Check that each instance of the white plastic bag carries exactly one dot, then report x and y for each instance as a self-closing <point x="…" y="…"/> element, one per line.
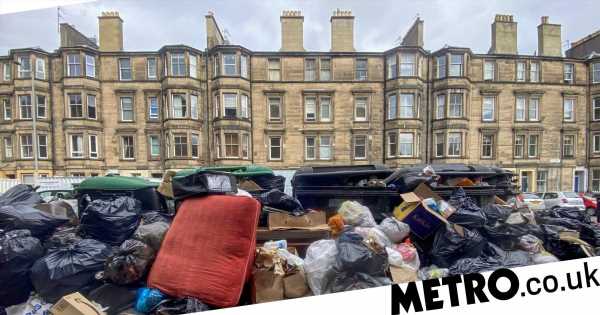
<point x="374" y="234"/>
<point x="356" y="214"/>
<point x="409" y="253"/>
<point x="394" y="257"/>
<point x="34" y="306"/>
<point x="544" y="257"/>
<point x="394" y="229"/>
<point x="320" y="258"/>
<point x="290" y="258"/>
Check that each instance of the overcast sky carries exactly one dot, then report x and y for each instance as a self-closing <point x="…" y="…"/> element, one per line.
<point x="150" y="24"/>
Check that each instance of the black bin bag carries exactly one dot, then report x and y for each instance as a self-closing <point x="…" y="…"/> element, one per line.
<point x="130" y="263"/>
<point x="495" y="213"/>
<point x="24" y="217"/>
<point x="591" y="234"/>
<point x="202" y="183"/>
<point x="69" y="270"/>
<point x="506" y="236"/>
<point x="18" y="251"/>
<point x="20" y="194"/>
<point x="279" y="200"/>
<point x="111" y="221"/>
<point x="452" y="243"/>
<point x="467" y="212"/>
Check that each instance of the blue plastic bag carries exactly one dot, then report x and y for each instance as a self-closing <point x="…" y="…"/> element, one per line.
<point x="147" y="299"/>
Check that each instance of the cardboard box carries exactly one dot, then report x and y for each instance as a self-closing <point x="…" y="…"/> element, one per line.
<point x="403" y="274"/>
<point x="315" y="220"/>
<point x="75" y="304"/>
<point x="422" y="220"/>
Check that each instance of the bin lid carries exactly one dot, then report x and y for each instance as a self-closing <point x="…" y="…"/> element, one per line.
<point x="116" y="182"/>
<point x="238" y="171"/>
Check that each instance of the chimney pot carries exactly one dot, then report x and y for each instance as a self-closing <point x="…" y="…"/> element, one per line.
<point x="292" y="32"/>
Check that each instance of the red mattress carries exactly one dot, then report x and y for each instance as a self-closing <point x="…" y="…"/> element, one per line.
<point x="208" y="252"/>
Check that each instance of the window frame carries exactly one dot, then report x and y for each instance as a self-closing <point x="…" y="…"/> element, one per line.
<point x="7" y="144"/>
<point x="569" y="74"/>
<point x="149" y="70"/>
<point x="530" y="105"/>
<point x="193" y="66"/>
<point x="245" y="145"/>
<point x="122" y="108"/>
<point x="151" y="146"/>
<point x="244" y="106"/>
<point x="124" y="147"/>
<point x="459" y="144"/>
<point x="183" y="105"/>
<point x="325" y="72"/>
<point x="529" y="146"/>
<point x="226" y="106"/>
<point x="441" y="71"/>
<point x="522" y="145"/>
<point x="226" y="65"/>
<point x="177" y="62"/>
<point x="314" y="108"/>
<point x="23" y="146"/>
<point x="307" y="156"/>
<point x="244" y="66"/>
<point x="439" y="138"/>
<point x="572" y="146"/>
<point x="595" y="180"/>
<point x="7" y="110"/>
<point x="90" y="73"/>
<point x="489" y="145"/>
<point x="596" y="108"/>
<point x="231" y="145"/>
<point x="441" y="106"/>
<point x="595" y="72"/>
<point x="74" y="105"/>
<point x="180" y="148"/>
<point x="452" y="104"/>
<point x="392" y="67"/>
<point x="412" y="70"/>
<point x="489" y="74"/>
<point x="573" y="105"/>
<point x="94" y="106"/>
<point x="595" y="143"/>
<point x="74" y="65"/>
<point x="521" y="74"/>
<point x="392" y="152"/>
<point x="389" y="106"/>
<point x="364" y="100"/>
<point x="355" y="146"/>
<point x="410" y="144"/>
<point x="413" y="106"/>
<point x="76" y="154"/>
<point x="94" y="152"/>
<point x="279" y="104"/>
<point x="492" y="116"/>
<point x="123" y="70"/>
<point x="328" y="146"/>
<point x="45" y="145"/>
<point x="310" y="74"/>
<point x="535" y="75"/>
<point x="325" y="104"/>
<point x="271" y="70"/>
<point x="194" y="108"/>
<point x="453" y="66"/>
<point x="280" y="147"/>
<point x="39" y="105"/>
<point x="40" y="63"/>
<point x="151" y="115"/>
<point x="28" y="106"/>
<point x="6" y="71"/>
<point x="361" y="74"/>
<point x="541" y="181"/>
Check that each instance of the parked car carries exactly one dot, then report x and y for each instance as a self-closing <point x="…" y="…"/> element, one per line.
<point x="533" y="201"/>
<point x="589" y="201"/>
<point x="59" y="194"/>
<point x="554" y="200"/>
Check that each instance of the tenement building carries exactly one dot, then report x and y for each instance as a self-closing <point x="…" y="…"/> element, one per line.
<point x="91" y="108"/>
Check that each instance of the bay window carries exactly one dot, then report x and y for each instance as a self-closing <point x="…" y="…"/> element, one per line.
<point x="26" y="146"/>
<point x="229" y="64"/>
<point x="454" y="144"/>
<point x="230" y="105"/>
<point x="456" y="65"/>
<point x="178" y="64"/>
<point x="25" y="106"/>
<point x="75" y="106"/>
<point x="73" y="65"/>
<point x="179" y="105"/>
<point x="408" y="65"/>
<point x="76" y="146"/>
<point x="455" y="108"/>
<point x="406" y="144"/>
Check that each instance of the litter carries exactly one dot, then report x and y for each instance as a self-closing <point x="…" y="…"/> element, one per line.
<point x="147" y="299"/>
<point x="319" y="261"/>
<point x="129" y="263"/>
<point x="395" y="230"/>
<point x="356" y="214"/>
<point x="20" y="195"/>
<point x="111" y="221"/>
<point x="20" y="216"/>
<point x="33" y="306"/>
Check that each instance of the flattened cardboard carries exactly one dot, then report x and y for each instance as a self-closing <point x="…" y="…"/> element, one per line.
<point x="315" y="220"/>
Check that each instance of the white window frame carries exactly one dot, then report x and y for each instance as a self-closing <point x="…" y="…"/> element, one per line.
<point x="40" y="68"/>
<point x="280" y="147"/>
<point x="90" y="66"/>
<point x="533" y="108"/>
<point x="310" y="108"/>
<point x="193" y="68"/>
<point x="520" y="108"/>
<point x="182" y="108"/>
<point x="361" y="102"/>
<point x="439" y="138"/>
<point x="569" y="72"/>
<point x="307" y="155"/>
<point x="39" y="105"/>
<point x="236" y="145"/>
<point x="596" y="108"/>
<point x="489" y="70"/>
<point x="457" y="145"/>
<point x="151" y="68"/>
<point x="521" y="72"/>
<point x="6" y="71"/>
<point x="125" y="69"/>
<point x="569" y="109"/>
<point x="565" y="145"/>
<point x="596" y="143"/>
<point x="41" y="144"/>
<point x="152" y="115"/>
<point x="8" y="147"/>
<point x="408" y="64"/>
<point x="274" y="69"/>
<point x="390" y="152"/>
<point x="28" y="144"/>
<point x="270" y="103"/>
<point x="392" y="114"/>
<point x="456" y="69"/>
<point x="6" y="109"/>
<point x="488" y="108"/>
<point x="123" y="109"/>
<point x="407" y="109"/>
<point x="226" y="65"/>
<point x="325" y="109"/>
<point x="310" y="69"/>
<point x="28" y="105"/>
<point x="391" y="67"/>
<point x="71" y="105"/>
<point x="194" y="113"/>
<point x="355" y="145"/>
<point x="229" y="105"/>
<point x="452" y="105"/>
<point x="23" y="72"/>
<point x="520" y="142"/>
<point x="489" y="144"/>
<point x="541" y="181"/>
<point x="322" y="147"/>
<point x="244" y="106"/>
<point x="245" y="146"/>
<point x="402" y="141"/>
<point x="534" y="72"/>
<point x="440" y="67"/>
<point x="195" y="145"/>
<point x="529" y="146"/>
<point x="76" y="154"/>
<point x="440" y="107"/>
<point x="324" y="69"/>
<point x="73" y="65"/>
<point x="151" y="141"/>
<point x="93" y="149"/>
<point x="244" y="66"/>
<point x="596" y="72"/>
<point x="596" y="180"/>
<point x="90" y="105"/>
<point x="124" y="147"/>
<point x="178" y="64"/>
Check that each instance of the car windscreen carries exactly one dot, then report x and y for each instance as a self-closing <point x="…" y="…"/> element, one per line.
<point x="571" y="195"/>
<point x="530" y="196"/>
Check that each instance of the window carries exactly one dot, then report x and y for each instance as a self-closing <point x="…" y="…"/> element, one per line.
<point x="274" y="68"/>
<point x="408" y="65"/>
<point x="232" y="145"/>
<point x="519" y="146"/>
<point x="91" y="105"/>
<point x="41" y="106"/>
<point x="541" y="180"/>
<point x="440" y="67"/>
<point x="521" y="71"/>
<point x="90" y="66"/>
<point x="42" y="146"/>
<point x="153" y="110"/>
<point x="194" y="106"/>
<point x="24" y="67"/>
<point x="361" y="70"/>
<point x="151" y="68"/>
<point x="391" y="67"/>
<point x="439" y="144"/>
<point x="126" y="108"/>
<point x="489" y="69"/>
<point x="177" y="64"/>
<point x="392" y="106"/>
<point x="487" y="146"/>
<point x="440" y="106"/>
<point x="26" y="146"/>
<point x="179" y="106"/>
<point x="7" y="109"/>
<point x="245" y="146"/>
<point x="6" y="69"/>
<point x="325" y="73"/>
<point x="324" y="147"/>
<point x="40" y="69"/>
<point x="310" y="148"/>
<point x="154" y="146"/>
<point x="217" y="66"/>
<point x="180" y="145"/>
<point x="244" y="66"/>
<point x="310" y="104"/>
<point x="360" y="109"/>
<point x="75" y="106"/>
<point x="217" y="105"/>
<point x="568" y="146"/>
<point x="596" y="108"/>
<point x="230" y="105"/>
<point x="193" y="66"/>
<point x="275" y="148"/>
<point x="73" y="65"/>
<point x="569" y="109"/>
<point x="569" y="70"/>
<point x="407" y="106"/>
<point x="310" y="69"/>
<point x="25" y="106"/>
<point x="124" y="69"/>
<point x="456" y="65"/>
<point x="533" y="146"/>
<point x="274" y="108"/>
<point x="596" y="180"/>
<point x="76" y="146"/>
<point x="244" y="108"/>
<point x="325" y="108"/>
<point x="392" y="147"/>
<point x="455" y="108"/>
<point x="520" y="109"/>
<point x="93" y="144"/>
<point x="534" y="109"/>
<point x="488" y="108"/>
<point x="534" y="72"/>
<point x="217" y="138"/>
<point x="229" y="66"/>
<point x="454" y="143"/>
<point x="360" y="147"/>
<point x="596" y="72"/>
<point x="128" y="147"/>
<point x="8" y="148"/>
<point x="406" y="143"/>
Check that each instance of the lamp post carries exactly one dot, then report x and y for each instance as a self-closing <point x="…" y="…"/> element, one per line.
<point x="34" y="119"/>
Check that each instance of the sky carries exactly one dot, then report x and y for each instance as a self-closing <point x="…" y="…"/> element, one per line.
<point x="254" y="24"/>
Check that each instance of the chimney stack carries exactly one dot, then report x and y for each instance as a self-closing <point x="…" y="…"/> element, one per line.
<point x="213" y="33"/>
<point x="414" y="36"/>
<point x="504" y="35"/>
<point x="342" y="30"/>
<point x="111" y="31"/>
<point x="549" y="39"/>
<point x="292" y="33"/>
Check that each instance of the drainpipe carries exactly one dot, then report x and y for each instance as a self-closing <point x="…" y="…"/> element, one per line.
<point x="50" y="109"/>
<point x="587" y="128"/>
<point x="429" y="85"/>
<point x="206" y="112"/>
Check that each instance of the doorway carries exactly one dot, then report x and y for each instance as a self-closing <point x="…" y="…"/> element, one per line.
<point x="526" y="177"/>
<point x="578" y="181"/>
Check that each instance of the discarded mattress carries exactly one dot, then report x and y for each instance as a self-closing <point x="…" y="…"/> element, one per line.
<point x="208" y="252"/>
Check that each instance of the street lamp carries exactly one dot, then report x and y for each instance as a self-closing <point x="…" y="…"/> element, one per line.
<point x="34" y="113"/>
